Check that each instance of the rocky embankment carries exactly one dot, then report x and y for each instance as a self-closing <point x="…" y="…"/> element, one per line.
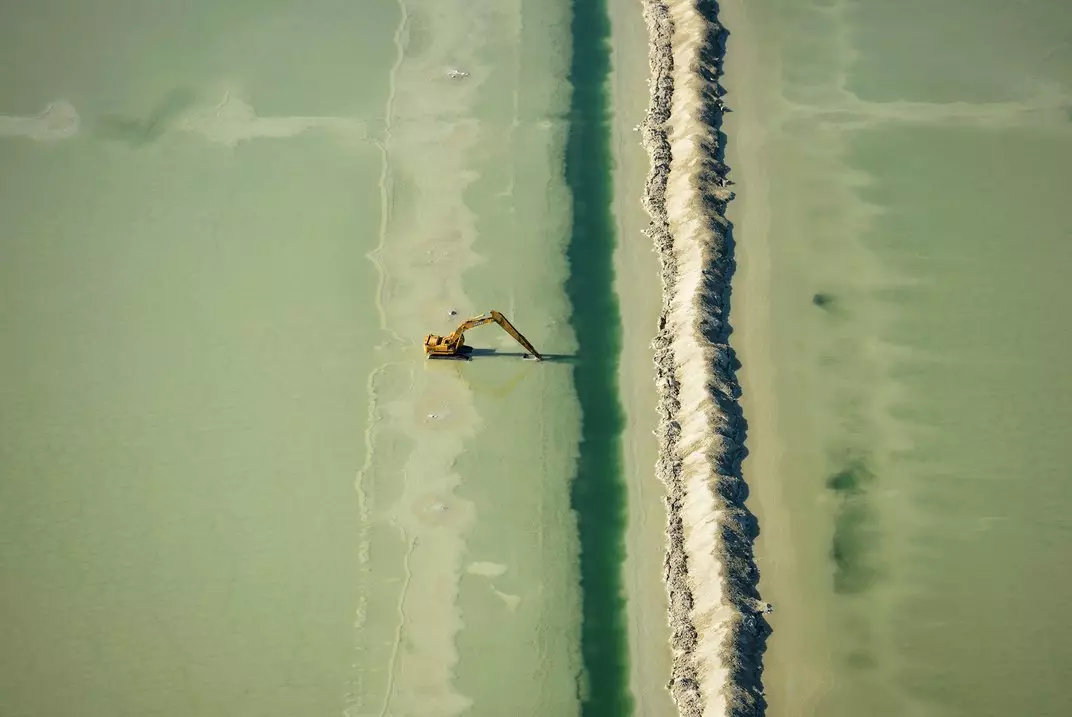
<point x="716" y="617"/>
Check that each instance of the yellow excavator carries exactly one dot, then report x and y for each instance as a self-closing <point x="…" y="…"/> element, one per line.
<point x="453" y="346"/>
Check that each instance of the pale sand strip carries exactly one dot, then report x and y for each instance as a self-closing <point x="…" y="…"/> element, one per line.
<point x="59" y="120"/>
<point x="639" y="298"/>
<point x="716" y="631"/>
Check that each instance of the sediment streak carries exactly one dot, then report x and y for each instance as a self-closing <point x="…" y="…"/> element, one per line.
<point x="717" y="629"/>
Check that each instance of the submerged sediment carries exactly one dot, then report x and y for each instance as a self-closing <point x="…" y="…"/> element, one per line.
<point x="715" y="615"/>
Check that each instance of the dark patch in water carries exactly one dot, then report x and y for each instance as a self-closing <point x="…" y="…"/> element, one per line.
<point x="852" y="479"/>
<point x="822" y="300"/>
<point x="598" y="488"/>
<point x="137" y="131"/>
<point x="861" y="660"/>
<point x="855" y="530"/>
<point x="851" y="548"/>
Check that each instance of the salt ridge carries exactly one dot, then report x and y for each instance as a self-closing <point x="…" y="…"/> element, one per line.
<point x="715" y="614"/>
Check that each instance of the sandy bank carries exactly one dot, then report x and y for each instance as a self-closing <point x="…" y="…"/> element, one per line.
<point x="639" y="299"/>
<point x="715" y="612"/>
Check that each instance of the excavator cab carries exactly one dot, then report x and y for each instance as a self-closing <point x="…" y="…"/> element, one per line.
<point x="441" y="347"/>
<point x="453" y="346"/>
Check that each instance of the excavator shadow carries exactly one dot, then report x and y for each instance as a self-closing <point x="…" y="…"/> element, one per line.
<point x="492" y="353"/>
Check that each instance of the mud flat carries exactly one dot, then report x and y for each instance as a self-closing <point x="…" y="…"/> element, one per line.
<point x="717" y="629"/>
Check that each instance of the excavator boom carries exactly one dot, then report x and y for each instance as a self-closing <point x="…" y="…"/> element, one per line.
<point x="453" y="346"/>
<point x="509" y="328"/>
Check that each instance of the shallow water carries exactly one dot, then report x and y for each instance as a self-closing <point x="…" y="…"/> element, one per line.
<point x="181" y="360"/>
<point x="467" y="490"/>
<point x="231" y="482"/>
<point x="903" y="249"/>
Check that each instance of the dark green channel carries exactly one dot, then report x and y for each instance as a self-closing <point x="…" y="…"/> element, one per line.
<point x="598" y="492"/>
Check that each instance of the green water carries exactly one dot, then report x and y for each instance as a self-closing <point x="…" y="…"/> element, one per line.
<point x="903" y="210"/>
<point x="598" y="491"/>
<point x="231" y="483"/>
<point x="181" y="365"/>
